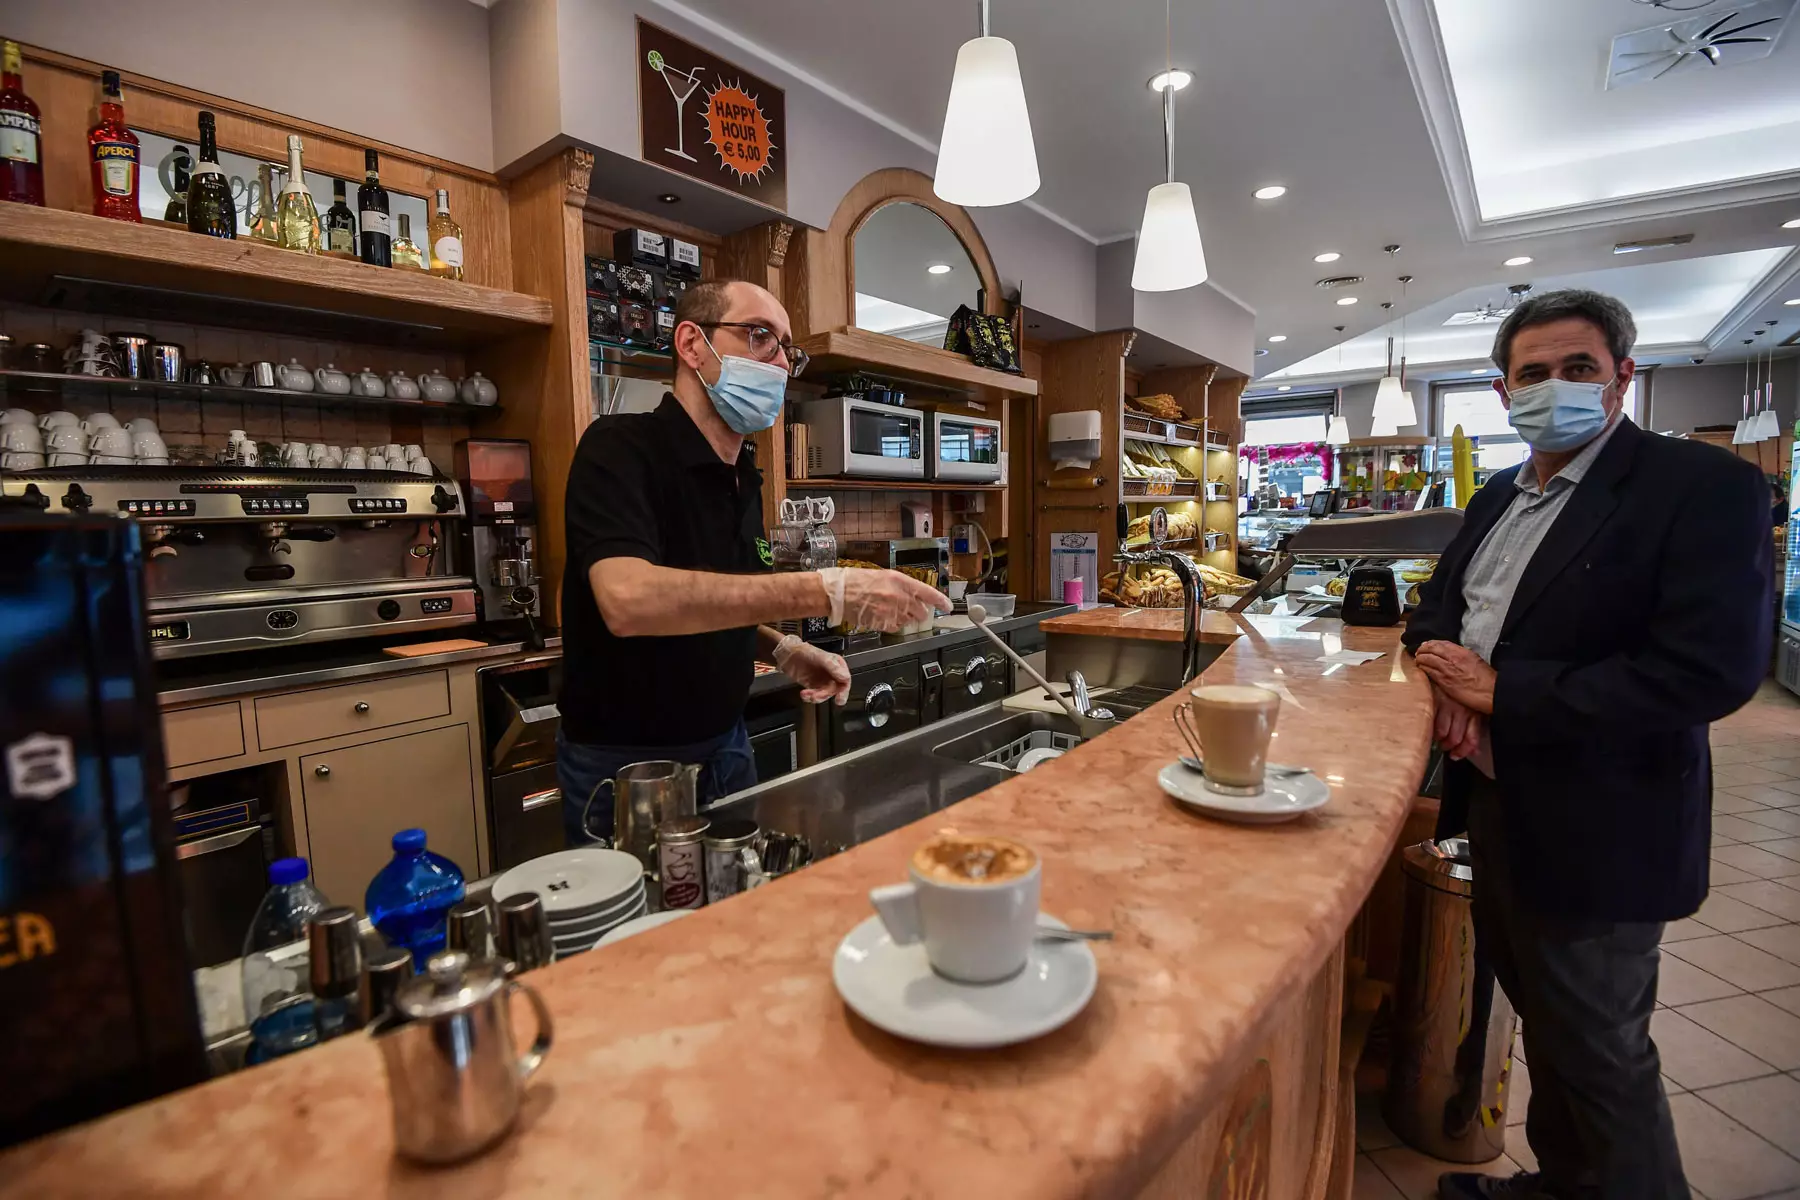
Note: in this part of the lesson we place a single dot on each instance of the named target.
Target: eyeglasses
(765, 344)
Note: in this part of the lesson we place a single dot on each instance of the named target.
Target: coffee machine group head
(495, 474)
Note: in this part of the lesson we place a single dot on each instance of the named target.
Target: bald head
(718, 311)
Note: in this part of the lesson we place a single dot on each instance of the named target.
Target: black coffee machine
(500, 536)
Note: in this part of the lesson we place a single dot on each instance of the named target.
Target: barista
(668, 596)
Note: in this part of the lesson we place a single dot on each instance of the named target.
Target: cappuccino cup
(23, 439)
(972, 899)
(110, 441)
(1228, 727)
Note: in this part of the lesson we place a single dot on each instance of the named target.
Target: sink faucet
(1193, 601)
(1078, 690)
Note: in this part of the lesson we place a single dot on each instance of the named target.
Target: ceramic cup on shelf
(18, 416)
(68, 458)
(332, 381)
(421, 466)
(394, 452)
(377, 463)
(21, 460)
(66, 439)
(139, 425)
(317, 453)
(51, 420)
(368, 384)
(149, 446)
(20, 438)
(293, 454)
(414, 452)
(973, 901)
(356, 459)
(402, 387)
(101, 420)
(111, 442)
(111, 460)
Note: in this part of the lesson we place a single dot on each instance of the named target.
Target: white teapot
(435, 385)
(367, 383)
(332, 381)
(294, 377)
(478, 389)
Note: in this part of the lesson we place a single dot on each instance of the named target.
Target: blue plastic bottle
(277, 992)
(408, 899)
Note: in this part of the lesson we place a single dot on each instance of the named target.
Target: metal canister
(681, 856)
(523, 934)
(732, 862)
(336, 970)
(383, 973)
(469, 927)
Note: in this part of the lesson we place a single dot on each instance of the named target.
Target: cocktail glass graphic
(680, 92)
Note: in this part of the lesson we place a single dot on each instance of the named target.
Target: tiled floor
(1729, 994)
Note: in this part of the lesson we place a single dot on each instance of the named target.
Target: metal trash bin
(1453, 1026)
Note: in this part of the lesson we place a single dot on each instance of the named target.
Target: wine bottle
(445, 236)
(340, 224)
(376, 241)
(210, 208)
(114, 151)
(181, 166)
(406, 251)
(259, 207)
(296, 216)
(21, 160)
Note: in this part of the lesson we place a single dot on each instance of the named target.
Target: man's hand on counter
(821, 674)
(1454, 726)
(1458, 673)
(884, 600)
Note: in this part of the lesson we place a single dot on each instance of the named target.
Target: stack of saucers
(585, 893)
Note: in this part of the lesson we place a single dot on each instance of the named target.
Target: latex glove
(821, 674)
(883, 600)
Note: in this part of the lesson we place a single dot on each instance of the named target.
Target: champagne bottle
(340, 224)
(445, 236)
(376, 241)
(296, 216)
(406, 251)
(210, 208)
(181, 166)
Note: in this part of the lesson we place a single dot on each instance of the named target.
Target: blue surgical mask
(748, 394)
(1558, 414)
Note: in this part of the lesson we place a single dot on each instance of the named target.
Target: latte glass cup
(975, 930)
(1229, 726)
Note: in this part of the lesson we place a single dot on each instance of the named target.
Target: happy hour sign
(710, 119)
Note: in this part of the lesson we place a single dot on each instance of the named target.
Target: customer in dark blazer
(1604, 602)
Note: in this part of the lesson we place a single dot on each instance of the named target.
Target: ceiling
(1333, 98)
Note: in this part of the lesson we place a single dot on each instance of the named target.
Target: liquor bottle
(210, 208)
(259, 207)
(296, 215)
(445, 236)
(21, 163)
(376, 242)
(114, 151)
(181, 166)
(340, 224)
(406, 251)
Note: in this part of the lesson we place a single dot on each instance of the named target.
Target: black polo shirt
(650, 486)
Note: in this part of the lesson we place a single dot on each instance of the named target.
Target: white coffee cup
(236, 436)
(51, 420)
(149, 445)
(142, 425)
(975, 931)
(355, 459)
(112, 460)
(112, 442)
(377, 463)
(21, 460)
(415, 452)
(100, 420)
(24, 439)
(421, 466)
(18, 416)
(67, 439)
(153, 462)
(394, 452)
(293, 454)
(69, 458)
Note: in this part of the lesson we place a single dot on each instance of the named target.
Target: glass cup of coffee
(1228, 727)
(972, 899)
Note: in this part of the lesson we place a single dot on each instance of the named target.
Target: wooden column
(545, 383)
(1080, 373)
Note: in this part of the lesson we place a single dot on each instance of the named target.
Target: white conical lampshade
(1767, 426)
(1337, 430)
(1737, 434)
(1392, 405)
(1169, 256)
(1383, 428)
(986, 155)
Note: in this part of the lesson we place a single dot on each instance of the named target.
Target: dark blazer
(1645, 615)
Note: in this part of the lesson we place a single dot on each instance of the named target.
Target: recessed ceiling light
(1794, 303)
(1347, 300)
(938, 269)
(1285, 388)
(1517, 261)
(1176, 79)
(669, 198)
(1274, 191)
(1793, 224)
(1261, 350)
(1278, 337)
(1328, 256)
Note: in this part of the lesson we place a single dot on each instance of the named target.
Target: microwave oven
(846, 436)
(964, 449)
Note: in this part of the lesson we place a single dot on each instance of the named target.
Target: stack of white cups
(61, 439)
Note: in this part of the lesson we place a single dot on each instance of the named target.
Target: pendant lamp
(1740, 434)
(1169, 254)
(986, 156)
(1337, 430)
(1767, 424)
(1393, 407)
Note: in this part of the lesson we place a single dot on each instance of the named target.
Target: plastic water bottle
(409, 898)
(278, 994)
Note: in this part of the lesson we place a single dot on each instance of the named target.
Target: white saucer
(626, 906)
(894, 988)
(632, 928)
(1280, 800)
(587, 936)
(574, 883)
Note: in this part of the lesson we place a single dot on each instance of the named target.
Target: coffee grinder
(500, 536)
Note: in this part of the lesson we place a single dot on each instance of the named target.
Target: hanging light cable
(1169, 254)
(986, 155)
(1410, 416)
(1337, 430)
(1738, 435)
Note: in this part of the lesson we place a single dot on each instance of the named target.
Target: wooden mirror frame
(822, 290)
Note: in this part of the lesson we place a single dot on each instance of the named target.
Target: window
(1284, 431)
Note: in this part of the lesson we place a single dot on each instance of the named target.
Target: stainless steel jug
(644, 795)
(452, 1077)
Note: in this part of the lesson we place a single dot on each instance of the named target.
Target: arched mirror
(911, 272)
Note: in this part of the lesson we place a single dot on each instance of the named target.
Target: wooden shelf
(848, 351)
(892, 485)
(23, 385)
(71, 260)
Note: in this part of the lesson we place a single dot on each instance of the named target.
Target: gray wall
(1685, 398)
(1200, 319)
(410, 72)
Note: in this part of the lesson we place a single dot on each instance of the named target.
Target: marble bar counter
(713, 1057)
(1147, 624)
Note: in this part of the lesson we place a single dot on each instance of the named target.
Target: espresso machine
(500, 535)
(245, 558)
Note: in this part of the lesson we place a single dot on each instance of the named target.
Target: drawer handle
(322, 771)
(362, 706)
(539, 799)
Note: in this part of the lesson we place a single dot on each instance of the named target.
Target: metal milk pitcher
(452, 1077)
(646, 794)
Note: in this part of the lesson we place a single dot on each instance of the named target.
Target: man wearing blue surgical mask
(1604, 602)
(668, 598)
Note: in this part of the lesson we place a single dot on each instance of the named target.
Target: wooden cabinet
(193, 735)
(295, 717)
(355, 799)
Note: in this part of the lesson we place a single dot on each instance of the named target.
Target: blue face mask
(1558, 414)
(748, 394)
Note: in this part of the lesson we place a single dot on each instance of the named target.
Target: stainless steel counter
(245, 674)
